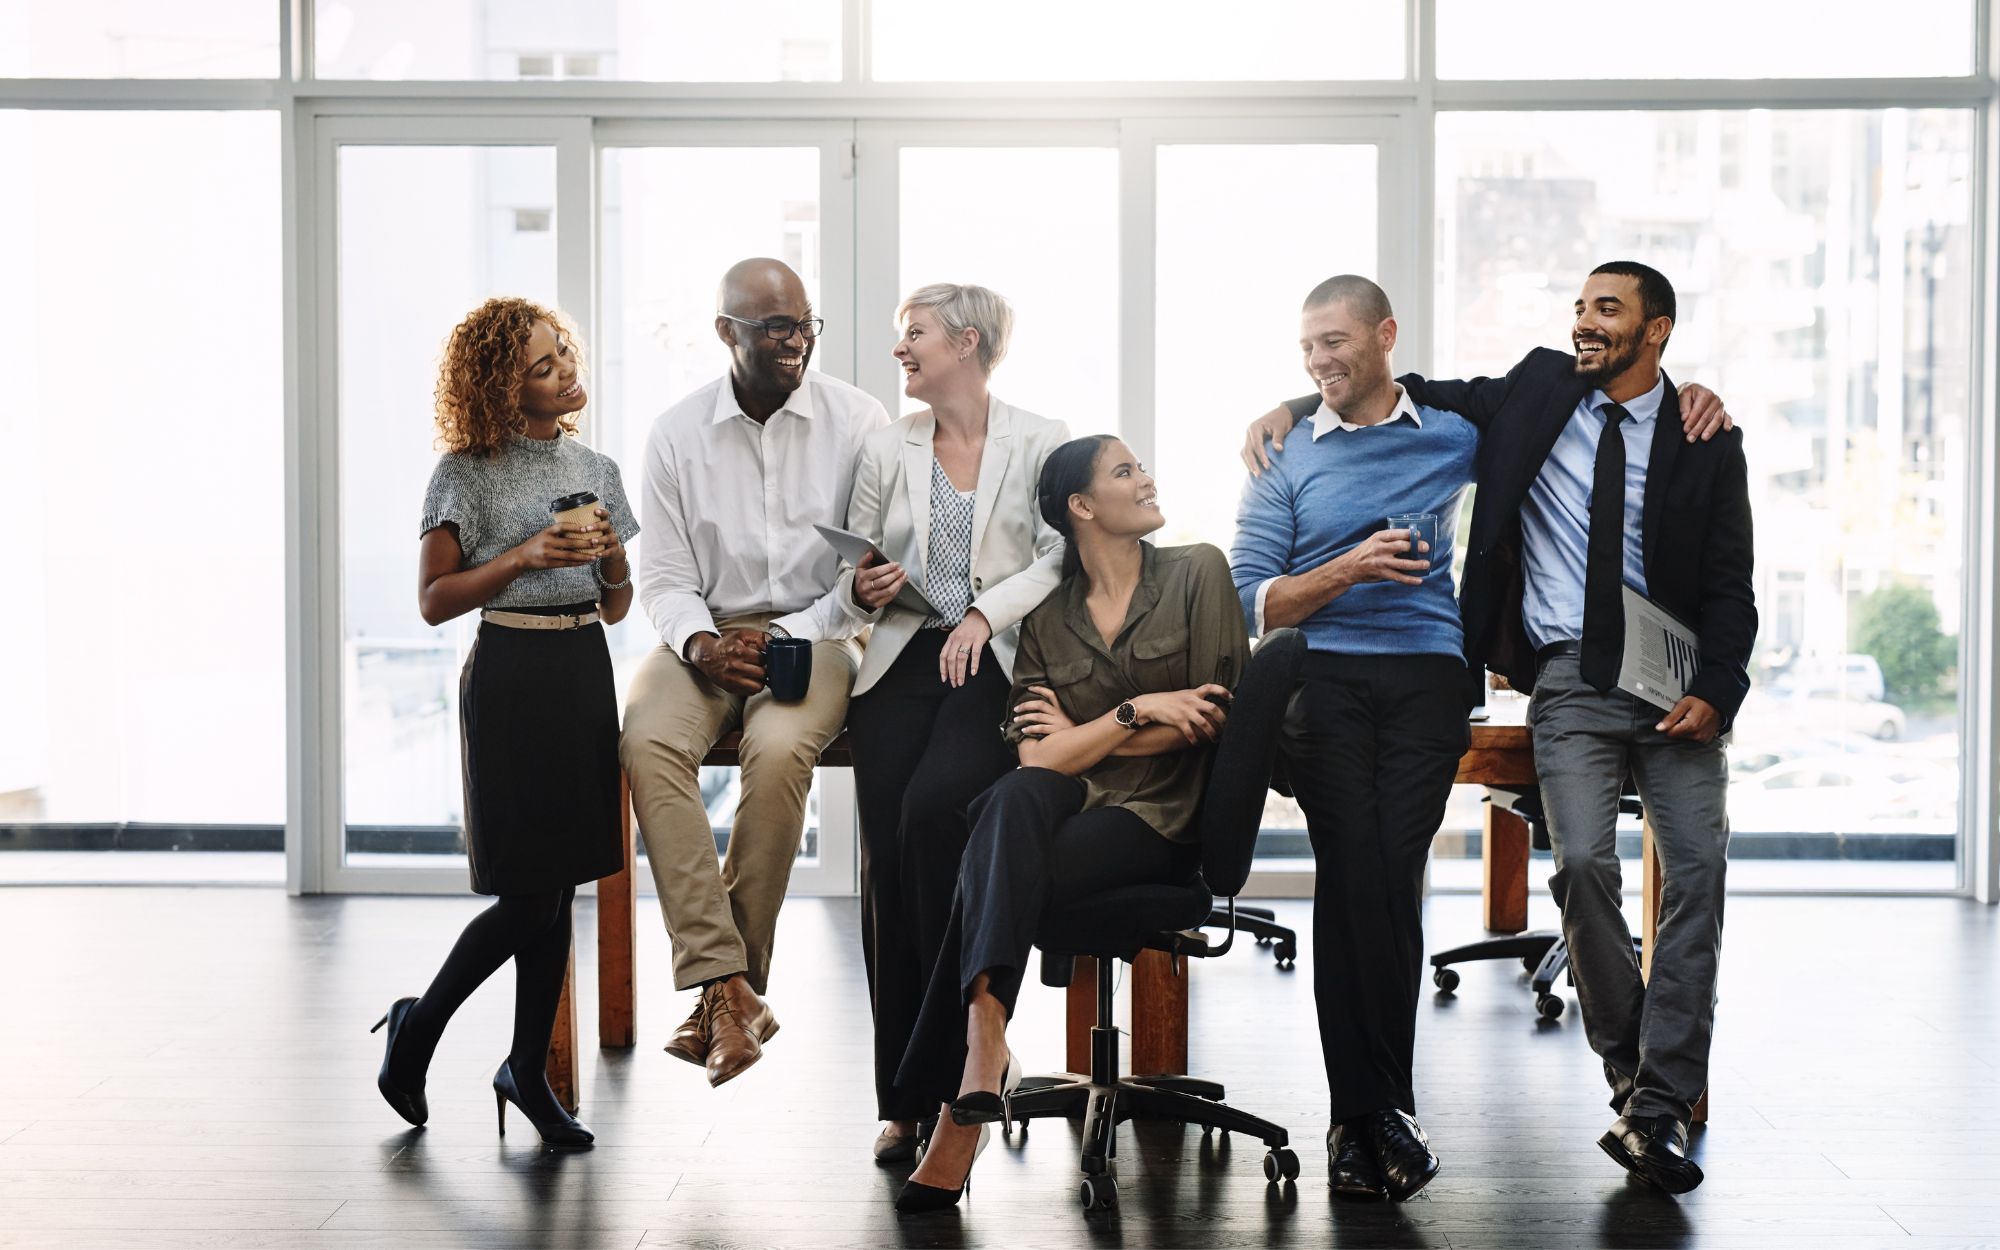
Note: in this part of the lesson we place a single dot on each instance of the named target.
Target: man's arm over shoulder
(1479, 400)
(1728, 617)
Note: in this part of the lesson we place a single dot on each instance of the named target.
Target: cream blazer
(1016, 556)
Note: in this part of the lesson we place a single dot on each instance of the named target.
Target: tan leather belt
(528, 620)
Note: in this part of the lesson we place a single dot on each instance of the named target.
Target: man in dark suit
(1565, 516)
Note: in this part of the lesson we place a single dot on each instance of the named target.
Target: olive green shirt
(1183, 629)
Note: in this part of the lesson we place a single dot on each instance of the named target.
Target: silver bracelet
(597, 571)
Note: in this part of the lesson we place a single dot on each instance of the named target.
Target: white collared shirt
(728, 508)
(1555, 517)
(1324, 421)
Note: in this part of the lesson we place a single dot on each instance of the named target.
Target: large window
(243, 228)
(142, 693)
(1821, 261)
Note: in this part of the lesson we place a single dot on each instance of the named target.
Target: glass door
(419, 220)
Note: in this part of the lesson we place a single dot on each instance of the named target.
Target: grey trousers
(1652, 1035)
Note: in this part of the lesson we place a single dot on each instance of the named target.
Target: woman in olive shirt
(1124, 667)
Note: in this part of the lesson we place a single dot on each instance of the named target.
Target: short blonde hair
(958, 306)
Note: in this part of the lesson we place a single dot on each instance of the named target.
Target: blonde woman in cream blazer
(948, 494)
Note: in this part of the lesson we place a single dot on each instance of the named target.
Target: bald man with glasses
(736, 476)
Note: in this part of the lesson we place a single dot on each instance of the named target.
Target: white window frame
(574, 108)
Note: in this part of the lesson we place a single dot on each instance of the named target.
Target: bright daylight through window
(251, 224)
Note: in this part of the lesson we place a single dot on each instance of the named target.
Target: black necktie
(1604, 572)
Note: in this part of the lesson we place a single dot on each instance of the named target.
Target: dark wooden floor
(192, 1068)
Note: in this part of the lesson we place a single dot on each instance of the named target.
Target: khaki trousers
(723, 917)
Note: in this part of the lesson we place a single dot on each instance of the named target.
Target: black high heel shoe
(408, 1103)
(982, 1107)
(562, 1134)
(921, 1199)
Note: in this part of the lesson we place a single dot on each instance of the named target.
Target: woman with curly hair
(527, 525)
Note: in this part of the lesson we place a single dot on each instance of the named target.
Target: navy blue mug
(788, 667)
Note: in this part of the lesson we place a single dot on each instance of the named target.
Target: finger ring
(964, 650)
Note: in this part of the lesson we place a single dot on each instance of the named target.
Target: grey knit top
(499, 503)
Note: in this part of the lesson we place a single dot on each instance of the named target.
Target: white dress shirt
(728, 507)
(1555, 518)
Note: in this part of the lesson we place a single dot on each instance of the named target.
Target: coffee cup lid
(577, 500)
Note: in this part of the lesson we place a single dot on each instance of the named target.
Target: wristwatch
(1127, 715)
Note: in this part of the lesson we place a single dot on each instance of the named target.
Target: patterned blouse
(948, 580)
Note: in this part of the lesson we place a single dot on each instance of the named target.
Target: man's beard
(1610, 362)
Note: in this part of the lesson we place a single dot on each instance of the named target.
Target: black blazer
(1696, 521)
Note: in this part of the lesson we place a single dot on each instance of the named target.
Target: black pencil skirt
(538, 734)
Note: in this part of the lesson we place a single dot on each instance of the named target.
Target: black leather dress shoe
(1351, 1166)
(1654, 1149)
(1403, 1152)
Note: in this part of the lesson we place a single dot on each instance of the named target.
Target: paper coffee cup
(579, 509)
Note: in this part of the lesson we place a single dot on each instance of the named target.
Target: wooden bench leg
(1160, 1014)
(562, 1043)
(617, 945)
(1504, 866)
(1079, 1014)
(1649, 925)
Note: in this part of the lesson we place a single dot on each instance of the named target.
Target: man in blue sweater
(1380, 720)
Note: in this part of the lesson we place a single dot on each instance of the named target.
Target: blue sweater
(1322, 496)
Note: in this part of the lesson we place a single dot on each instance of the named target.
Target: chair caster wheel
(1549, 1005)
(1281, 1164)
(1529, 963)
(1446, 979)
(1264, 940)
(1287, 954)
(1099, 1193)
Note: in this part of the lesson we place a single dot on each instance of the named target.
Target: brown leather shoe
(734, 1041)
(691, 1040)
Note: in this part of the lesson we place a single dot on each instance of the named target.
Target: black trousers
(1372, 746)
(1032, 846)
(923, 750)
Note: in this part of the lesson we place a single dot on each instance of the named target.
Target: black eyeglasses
(783, 327)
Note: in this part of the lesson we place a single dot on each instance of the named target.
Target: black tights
(530, 929)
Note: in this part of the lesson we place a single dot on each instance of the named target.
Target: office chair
(1118, 924)
(1542, 952)
(1261, 923)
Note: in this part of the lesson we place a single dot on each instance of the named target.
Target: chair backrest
(1232, 806)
